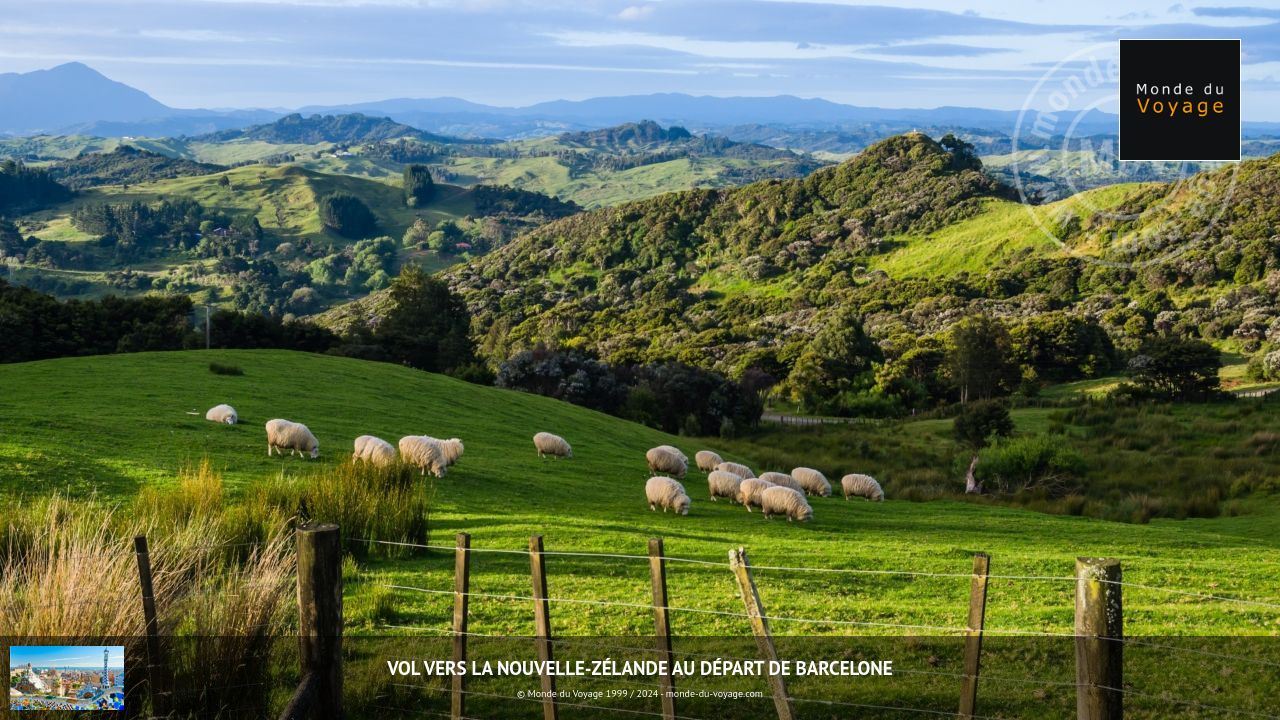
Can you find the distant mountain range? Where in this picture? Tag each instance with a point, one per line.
(76, 99)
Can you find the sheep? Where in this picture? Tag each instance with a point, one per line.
(676, 451)
(749, 491)
(666, 493)
(783, 479)
(452, 450)
(812, 481)
(785, 501)
(707, 460)
(723, 484)
(424, 453)
(863, 486)
(663, 459)
(552, 445)
(295, 437)
(738, 469)
(373, 450)
(222, 414)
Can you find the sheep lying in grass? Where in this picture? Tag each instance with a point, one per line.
(812, 481)
(785, 501)
(723, 485)
(738, 469)
(663, 492)
(295, 437)
(707, 460)
(222, 414)
(665, 459)
(863, 486)
(452, 450)
(783, 479)
(749, 491)
(552, 445)
(373, 450)
(424, 453)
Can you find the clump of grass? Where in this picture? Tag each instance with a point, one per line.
(220, 369)
(198, 496)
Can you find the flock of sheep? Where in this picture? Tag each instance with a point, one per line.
(775, 493)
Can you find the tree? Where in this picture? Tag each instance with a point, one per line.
(839, 353)
(427, 326)
(974, 427)
(980, 358)
(418, 186)
(347, 215)
(1174, 368)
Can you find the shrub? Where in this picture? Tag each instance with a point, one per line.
(220, 369)
(1033, 463)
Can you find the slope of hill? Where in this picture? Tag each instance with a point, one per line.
(502, 493)
(126, 165)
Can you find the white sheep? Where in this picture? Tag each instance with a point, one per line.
(662, 459)
(783, 479)
(295, 437)
(813, 482)
(677, 451)
(666, 493)
(222, 414)
(785, 501)
(452, 450)
(424, 453)
(723, 484)
(553, 445)
(738, 469)
(707, 460)
(373, 450)
(863, 486)
(749, 492)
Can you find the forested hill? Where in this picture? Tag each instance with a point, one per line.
(349, 128)
(658, 143)
(902, 242)
(127, 165)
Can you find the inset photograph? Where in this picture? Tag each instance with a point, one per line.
(66, 677)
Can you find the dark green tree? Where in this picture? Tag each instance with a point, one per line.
(980, 359)
(1173, 368)
(418, 186)
(347, 215)
(427, 326)
(974, 427)
(830, 365)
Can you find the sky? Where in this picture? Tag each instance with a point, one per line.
(66, 656)
(900, 53)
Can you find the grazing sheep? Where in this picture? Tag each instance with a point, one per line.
(677, 451)
(373, 450)
(707, 460)
(723, 484)
(666, 459)
(783, 479)
(552, 445)
(668, 494)
(749, 492)
(785, 501)
(738, 469)
(295, 437)
(863, 486)
(424, 453)
(222, 414)
(812, 481)
(452, 450)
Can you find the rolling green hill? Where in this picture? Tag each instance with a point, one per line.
(105, 426)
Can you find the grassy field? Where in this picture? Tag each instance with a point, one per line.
(105, 427)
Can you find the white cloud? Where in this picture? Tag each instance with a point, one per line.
(635, 12)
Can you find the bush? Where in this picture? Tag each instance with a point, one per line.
(220, 369)
(1035, 463)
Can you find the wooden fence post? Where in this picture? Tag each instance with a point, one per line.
(159, 688)
(461, 588)
(542, 626)
(662, 626)
(1099, 640)
(973, 635)
(760, 627)
(320, 620)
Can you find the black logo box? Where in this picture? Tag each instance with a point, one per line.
(1180, 65)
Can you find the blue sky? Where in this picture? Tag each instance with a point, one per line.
(908, 53)
(66, 655)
